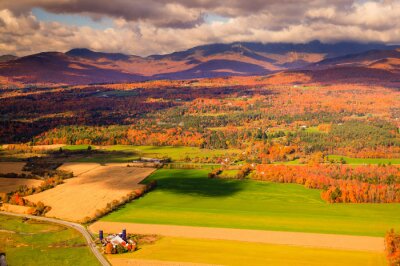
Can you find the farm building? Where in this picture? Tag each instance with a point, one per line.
(114, 243)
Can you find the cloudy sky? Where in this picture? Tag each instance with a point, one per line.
(144, 27)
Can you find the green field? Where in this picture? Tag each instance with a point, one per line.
(349, 160)
(188, 197)
(38, 243)
(174, 152)
(126, 153)
(223, 252)
(76, 147)
(229, 173)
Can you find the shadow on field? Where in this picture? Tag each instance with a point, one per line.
(200, 186)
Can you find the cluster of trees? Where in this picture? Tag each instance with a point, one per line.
(35, 208)
(392, 245)
(211, 113)
(15, 197)
(354, 137)
(340, 183)
(120, 248)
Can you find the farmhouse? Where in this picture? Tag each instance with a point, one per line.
(117, 243)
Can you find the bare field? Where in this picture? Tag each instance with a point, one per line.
(48, 147)
(11, 167)
(11, 184)
(94, 186)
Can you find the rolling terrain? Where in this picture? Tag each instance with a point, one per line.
(295, 148)
(345, 61)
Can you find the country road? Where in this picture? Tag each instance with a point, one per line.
(346, 242)
(75, 226)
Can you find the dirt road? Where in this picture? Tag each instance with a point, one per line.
(362, 243)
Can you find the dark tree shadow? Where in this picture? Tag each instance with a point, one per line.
(188, 183)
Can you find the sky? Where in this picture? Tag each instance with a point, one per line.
(145, 27)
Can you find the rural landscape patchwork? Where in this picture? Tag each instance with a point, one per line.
(199, 132)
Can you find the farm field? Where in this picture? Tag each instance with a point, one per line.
(11, 167)
(174, 152)
(357, 161)
(38, 243)
(127, 153)
(93, 187)
(12, 184)
(188, 197)
(347, 242)
(222, 252)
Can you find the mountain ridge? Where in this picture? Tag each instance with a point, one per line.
(82, 66)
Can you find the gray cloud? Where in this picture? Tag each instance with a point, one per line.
(177, 13)
(156, 26)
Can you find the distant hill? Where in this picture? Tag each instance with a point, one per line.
(7, 57)
(59, 68)
(360, 59)
(88, 54)
(82, 66)
(371, 67)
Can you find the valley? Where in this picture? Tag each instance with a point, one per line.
(298, 161)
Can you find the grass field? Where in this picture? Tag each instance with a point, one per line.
(349, 160)
(229, 173)
(188, 197)
(37, 243)
(127, 153)
(76, 147)
(223, 252)
(175, 153)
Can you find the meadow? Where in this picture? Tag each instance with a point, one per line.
(28, 242)
(223, 252)
(188, 197)
(127, 153)
(358, 161)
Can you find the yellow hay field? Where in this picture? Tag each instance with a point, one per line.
(93, 187)
(14, 208)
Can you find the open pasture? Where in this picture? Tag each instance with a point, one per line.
(188, 197)
(28, 242)
(94, 186)
(176, 153)
(358, 161)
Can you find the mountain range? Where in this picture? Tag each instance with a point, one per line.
(321, 62)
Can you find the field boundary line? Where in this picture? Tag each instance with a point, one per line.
(331, 241)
